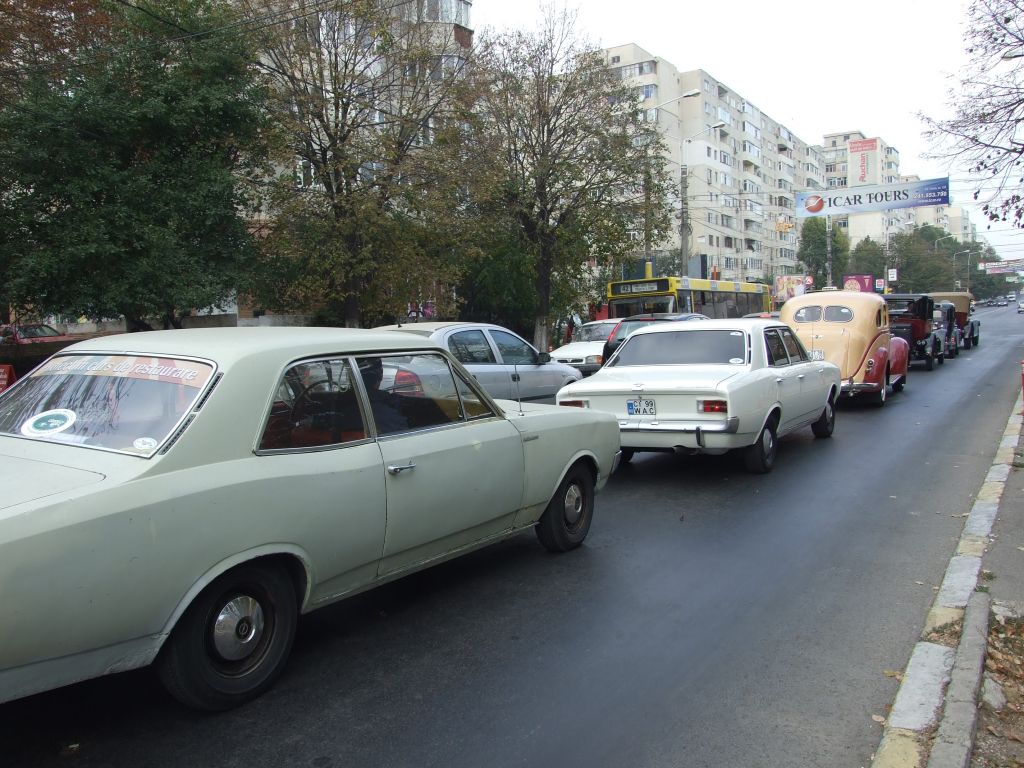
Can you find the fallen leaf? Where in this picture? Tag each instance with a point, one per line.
(1015, 736)
(920, 583)
(878, 718)
(893, 673)
(992, 729)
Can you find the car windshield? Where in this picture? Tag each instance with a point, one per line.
(37, 331)
(626, 327)
(119, 402)
(717, 347)
(598, 332)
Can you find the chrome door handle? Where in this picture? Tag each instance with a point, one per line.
(779, 381)
(394, 469)
(801, 375)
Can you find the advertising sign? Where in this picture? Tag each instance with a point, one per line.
(879, 285)
(863, 162)
(892, 276)
(788, 286)
(884, 197)
(858, 283)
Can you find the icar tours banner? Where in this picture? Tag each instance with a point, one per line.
(883, 197)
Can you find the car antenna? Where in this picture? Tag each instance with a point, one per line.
(519, 391)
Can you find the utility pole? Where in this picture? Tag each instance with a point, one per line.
(828, 251)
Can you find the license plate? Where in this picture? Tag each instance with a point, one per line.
(640, 406)
(817, 354)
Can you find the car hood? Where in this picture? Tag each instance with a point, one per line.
(31, 479)
(629, 379)
(579, 349)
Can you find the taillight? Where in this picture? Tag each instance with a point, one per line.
(408, 383)
(871, 364)
(573, 403)
(712, 406)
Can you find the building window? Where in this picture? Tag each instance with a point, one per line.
(649, 91)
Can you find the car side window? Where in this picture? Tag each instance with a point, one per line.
(472, 406)
(410, 392)
(470, 347)
(796, 350)
(514, 351)
(775, 348)
(315, 405)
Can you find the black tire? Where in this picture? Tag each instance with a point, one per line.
(760, 457)
(879, 397)
(968, 341)
(940, 357)
(899, 385)
(929, 362)
(826, 423)
(566, 522)
(208, 662)
(627, 456)
(977, 340)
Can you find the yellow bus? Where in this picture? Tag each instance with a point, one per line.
(714, 298)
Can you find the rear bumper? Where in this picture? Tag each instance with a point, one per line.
(723, 435)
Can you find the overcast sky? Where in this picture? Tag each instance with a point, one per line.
(817, 68)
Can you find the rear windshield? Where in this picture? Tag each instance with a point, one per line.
(123, 403)
(833, 313)
(722, 347)
(597, 332)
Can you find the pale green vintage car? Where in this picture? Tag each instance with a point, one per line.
(181, 496)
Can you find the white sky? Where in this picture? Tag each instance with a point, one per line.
(818, 68)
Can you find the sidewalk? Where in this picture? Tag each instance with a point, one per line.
(933, 718)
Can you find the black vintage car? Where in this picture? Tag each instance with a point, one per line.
(946, 326)
(911, 317)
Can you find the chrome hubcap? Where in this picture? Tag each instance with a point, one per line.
(238, 628)
(573, 504)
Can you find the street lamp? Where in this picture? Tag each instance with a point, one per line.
(960, 253)
(935, 243)
(648, 255)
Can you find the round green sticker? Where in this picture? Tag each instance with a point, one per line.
(48, 423)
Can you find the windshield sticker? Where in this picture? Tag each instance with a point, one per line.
(735, 361)
(187, 372)
(48, 423)
(735, 333)
(145, 444)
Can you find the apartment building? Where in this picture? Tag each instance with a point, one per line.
(952, 218)
(738, 172)
(853, 159)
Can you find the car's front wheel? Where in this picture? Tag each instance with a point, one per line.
(233, 641)
(826, 423)
(566, 522)
(760, 457)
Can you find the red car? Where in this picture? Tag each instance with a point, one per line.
(33, 333)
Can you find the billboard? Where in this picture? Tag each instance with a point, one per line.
(863, 162)
(883, 197)
(788, 286)
(865, 283)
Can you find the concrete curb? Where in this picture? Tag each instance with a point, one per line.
(923, 693)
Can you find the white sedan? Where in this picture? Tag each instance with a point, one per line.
(179, 497)
(711, 387)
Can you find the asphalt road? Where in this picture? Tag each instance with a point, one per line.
(713, 618)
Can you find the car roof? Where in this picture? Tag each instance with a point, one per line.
(749, 324)
(834, 297)
(226, 345)
(427, 328)
(663, 316)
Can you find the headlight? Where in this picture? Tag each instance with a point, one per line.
(598, 359)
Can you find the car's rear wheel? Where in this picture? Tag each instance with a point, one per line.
(627, 456)
(566, 522)
(897, 386)
(826, 423)
(929, 362)
(760, 457)
(233, 641)
(968, 341)
(940, 357)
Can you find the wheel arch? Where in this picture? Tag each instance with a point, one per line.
(292, 558)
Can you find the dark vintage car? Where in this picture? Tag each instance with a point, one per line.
(946, 326)
(911, 317)
(970, 327)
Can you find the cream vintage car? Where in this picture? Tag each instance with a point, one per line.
(181, 496)
(710, 387)
(851, 329)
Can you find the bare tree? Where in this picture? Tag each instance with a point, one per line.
(364, 84)
(989, 108)
(562, 149)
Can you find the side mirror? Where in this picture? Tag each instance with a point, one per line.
(543, 357)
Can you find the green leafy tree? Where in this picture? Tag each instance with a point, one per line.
(867, 258)
(558, 154)
(123, 171)
(362, 88)
(813, 251)
(920, 266)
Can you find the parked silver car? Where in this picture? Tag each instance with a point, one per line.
(505, 364)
